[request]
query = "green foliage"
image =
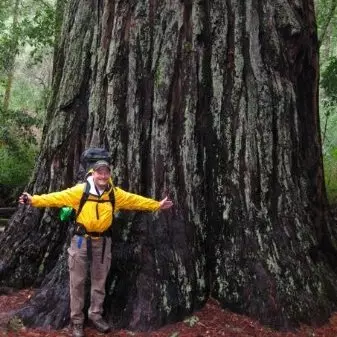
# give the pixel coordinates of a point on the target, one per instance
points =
(16, 166)
(38, 29)
(19, 125)
(9, 37)
(17, 128)
(326, 14)
(326, 17)
(330, 174)
(329, 80)
(18, 147)
(328, 114)
(328, 117)
(35, 28)
(36, 25)
(28, 94)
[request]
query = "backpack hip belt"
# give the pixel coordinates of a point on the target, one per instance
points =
(81, 231)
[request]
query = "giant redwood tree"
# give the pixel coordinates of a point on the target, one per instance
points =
(215, 104)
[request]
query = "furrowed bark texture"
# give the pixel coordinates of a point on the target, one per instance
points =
(273, 240)
(213, 103)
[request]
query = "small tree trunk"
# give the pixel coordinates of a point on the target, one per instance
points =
(14, 51)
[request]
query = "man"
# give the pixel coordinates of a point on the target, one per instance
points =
(91, 237)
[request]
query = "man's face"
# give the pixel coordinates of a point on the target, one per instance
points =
(101, 177)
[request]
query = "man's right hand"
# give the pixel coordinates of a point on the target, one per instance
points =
(25, 199)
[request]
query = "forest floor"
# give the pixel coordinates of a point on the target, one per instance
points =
(211, 321)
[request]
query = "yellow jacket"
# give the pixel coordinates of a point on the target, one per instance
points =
(95, 216)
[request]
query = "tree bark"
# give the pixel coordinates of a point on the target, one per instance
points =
(272, 232)
(215, 104)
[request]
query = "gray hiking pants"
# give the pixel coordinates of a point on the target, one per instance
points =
(78, 264)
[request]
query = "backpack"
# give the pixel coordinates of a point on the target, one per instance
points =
(88, 158)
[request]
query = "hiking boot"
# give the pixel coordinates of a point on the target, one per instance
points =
(101, 325)
(78, 330)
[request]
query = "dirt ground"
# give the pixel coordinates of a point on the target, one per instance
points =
(211, 321)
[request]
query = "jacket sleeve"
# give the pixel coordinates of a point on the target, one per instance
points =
(129, 201)
(69, 197)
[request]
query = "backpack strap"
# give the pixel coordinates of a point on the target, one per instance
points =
(112, 200)
(84, 198)
(81, 229)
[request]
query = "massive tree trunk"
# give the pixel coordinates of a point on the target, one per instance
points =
(215, 104)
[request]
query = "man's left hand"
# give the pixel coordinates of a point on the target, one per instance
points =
(165, 203)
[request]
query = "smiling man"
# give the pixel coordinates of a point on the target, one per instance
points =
(92, 236)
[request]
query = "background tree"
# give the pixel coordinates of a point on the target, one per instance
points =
(327, 32)
(27, 35)
(326, 17)
(216, 104)
(12, 52)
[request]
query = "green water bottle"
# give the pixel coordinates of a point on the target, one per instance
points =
(66, 213)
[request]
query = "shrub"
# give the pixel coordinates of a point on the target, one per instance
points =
(330, 173)
(18, 149)
(16, 165)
